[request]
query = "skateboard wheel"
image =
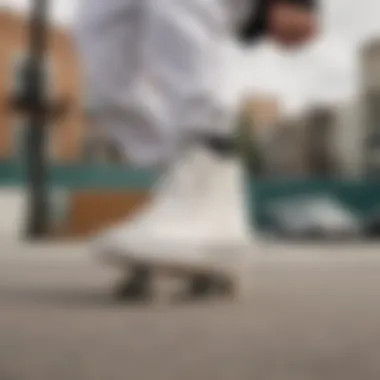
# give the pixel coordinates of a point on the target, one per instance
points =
(137, 287)
(211, 285)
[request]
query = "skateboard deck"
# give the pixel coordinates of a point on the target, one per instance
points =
(232, 282)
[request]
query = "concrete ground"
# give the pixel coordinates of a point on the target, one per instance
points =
(314, 313)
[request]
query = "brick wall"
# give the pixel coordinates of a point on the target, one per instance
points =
(92, 211)
(67, 134)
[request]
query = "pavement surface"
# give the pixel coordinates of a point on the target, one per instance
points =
(314, 313)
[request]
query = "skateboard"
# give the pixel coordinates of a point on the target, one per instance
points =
(203, 279)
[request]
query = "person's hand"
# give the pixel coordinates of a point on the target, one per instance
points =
(291, 24)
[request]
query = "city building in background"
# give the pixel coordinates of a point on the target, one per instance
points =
(261, 115)
(370, 75)
(348, 140)
(285, 150)
(66, 134)
(86, 198)
(320, 156)
(322, 142)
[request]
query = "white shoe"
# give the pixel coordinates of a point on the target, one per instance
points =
(196, 222)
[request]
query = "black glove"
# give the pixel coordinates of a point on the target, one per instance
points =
(256, 23)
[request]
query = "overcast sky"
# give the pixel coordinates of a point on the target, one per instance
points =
(324, 72)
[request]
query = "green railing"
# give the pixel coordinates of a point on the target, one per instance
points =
(360, 197)
(75, 177)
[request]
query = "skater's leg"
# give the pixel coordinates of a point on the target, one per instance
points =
(183, 63)
(119, 89)
(153, 72)
(187, 47)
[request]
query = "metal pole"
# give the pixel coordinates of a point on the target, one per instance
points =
(38, 113)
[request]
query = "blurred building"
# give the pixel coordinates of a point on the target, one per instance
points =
(261, 116)
(75, 213)
(320, 142)
(286, 150)
(348, 140)
(321, 157)
(309, 145)
(66, 134)
(370, 77)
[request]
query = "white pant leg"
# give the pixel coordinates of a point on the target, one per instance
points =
(153, 69)
(111, 36)
(187, 41)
